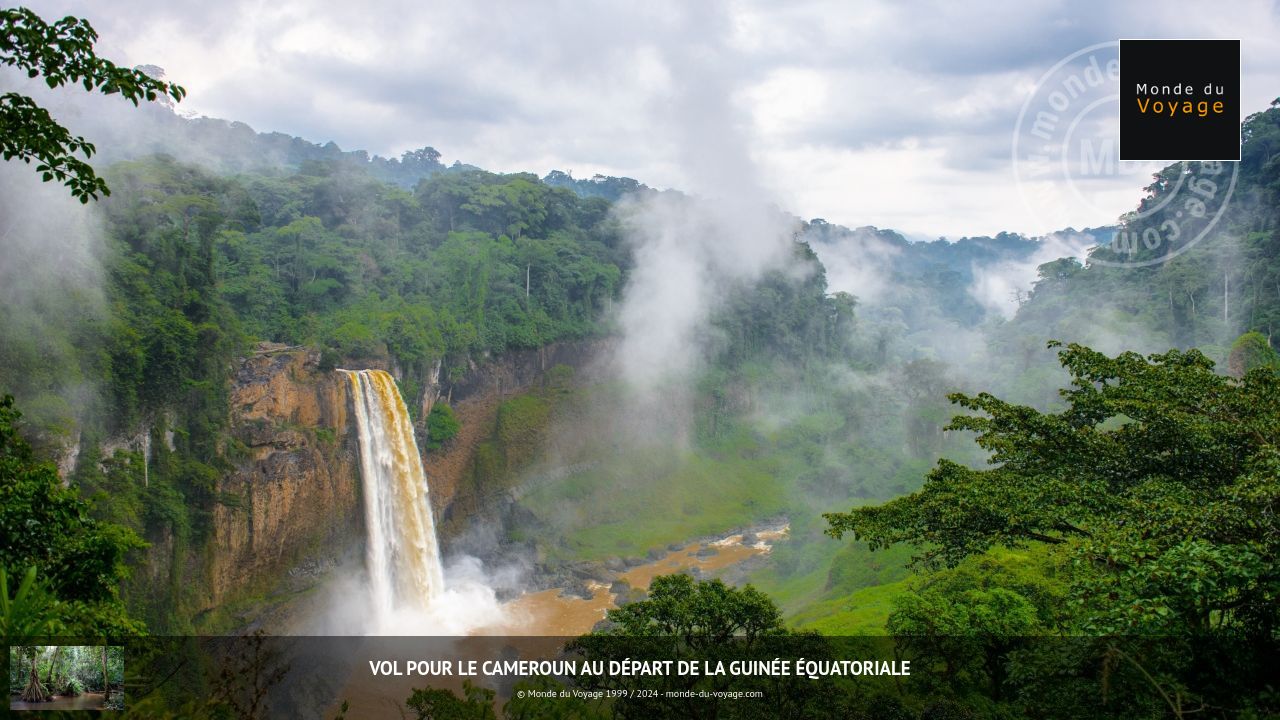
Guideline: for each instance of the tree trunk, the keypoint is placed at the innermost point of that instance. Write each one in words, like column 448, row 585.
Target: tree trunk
column 35, row 692
column 106, row 682
column 53, row 666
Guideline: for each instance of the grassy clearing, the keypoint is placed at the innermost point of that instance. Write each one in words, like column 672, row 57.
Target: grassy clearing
column 821, row 582
column 862, row 613
column 626, row 498
column 637, row 501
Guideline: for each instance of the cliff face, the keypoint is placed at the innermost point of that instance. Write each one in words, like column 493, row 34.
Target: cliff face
column 298, row 490
column 476, row 398
column 293, row 507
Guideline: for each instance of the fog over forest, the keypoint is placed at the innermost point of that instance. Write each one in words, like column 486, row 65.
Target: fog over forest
column 652, row 345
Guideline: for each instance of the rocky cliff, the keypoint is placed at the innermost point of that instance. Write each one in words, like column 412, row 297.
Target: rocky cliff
column 476, row 397
column 292, row 508
column 296, row 506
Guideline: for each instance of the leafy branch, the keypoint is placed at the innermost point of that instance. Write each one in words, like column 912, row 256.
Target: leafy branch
column 62, row 53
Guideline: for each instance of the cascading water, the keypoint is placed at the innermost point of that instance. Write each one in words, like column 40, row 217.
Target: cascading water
column 403, row 557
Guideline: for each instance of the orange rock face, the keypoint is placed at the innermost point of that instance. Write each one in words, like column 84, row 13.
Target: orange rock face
column 296, row 498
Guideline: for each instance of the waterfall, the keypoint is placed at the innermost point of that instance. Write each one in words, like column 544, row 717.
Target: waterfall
column 403, row 558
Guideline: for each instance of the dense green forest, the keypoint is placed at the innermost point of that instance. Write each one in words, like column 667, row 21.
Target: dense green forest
column 67, row 673
column 467, row 264
column 199, row 266
column 1206, row 297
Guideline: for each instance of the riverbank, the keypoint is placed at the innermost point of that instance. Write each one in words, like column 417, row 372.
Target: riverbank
column 576, row 608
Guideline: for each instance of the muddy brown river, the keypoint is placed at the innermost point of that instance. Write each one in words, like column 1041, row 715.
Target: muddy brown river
column 536, row 626
column 83, row 701
column 550, row 613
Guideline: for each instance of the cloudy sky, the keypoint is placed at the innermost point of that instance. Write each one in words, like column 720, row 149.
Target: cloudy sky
column 894, row 114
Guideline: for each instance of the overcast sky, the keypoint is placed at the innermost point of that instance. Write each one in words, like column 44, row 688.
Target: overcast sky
column 899, row 115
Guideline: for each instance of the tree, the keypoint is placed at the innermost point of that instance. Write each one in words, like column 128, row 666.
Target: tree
column 53, row 665
column 61, row 52
column 1155, row 476
column 476, row 703
column 35, row 691
column 1155, row 489
column 924, row 384
column 106, row 679
column 704, row 614
column 46, row 525
column 706, row 622
column 442, row 425
column 961, row 623
column 1251, row 350
column 250, row 667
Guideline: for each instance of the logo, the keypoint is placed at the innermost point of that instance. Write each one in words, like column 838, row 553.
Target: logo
column 1066, row 161
column 1180, row 100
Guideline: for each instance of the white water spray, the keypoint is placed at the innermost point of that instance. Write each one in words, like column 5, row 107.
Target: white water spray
column 403, row 558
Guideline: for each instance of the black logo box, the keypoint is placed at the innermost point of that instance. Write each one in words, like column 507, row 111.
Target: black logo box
column 1157, row 73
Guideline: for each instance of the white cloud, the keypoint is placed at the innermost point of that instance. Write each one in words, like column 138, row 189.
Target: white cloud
column 999, row 285
column 892, row 114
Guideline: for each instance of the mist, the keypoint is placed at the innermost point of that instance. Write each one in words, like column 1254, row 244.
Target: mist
column 1001, row 286
column 51, row 289
column 688, row 250
column 862, row 425
column 861, row 264
column 469, row 604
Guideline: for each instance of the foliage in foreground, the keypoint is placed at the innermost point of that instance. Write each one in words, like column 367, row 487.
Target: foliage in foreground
column 1151, row 499
column 45, row 525
column 61, row 53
